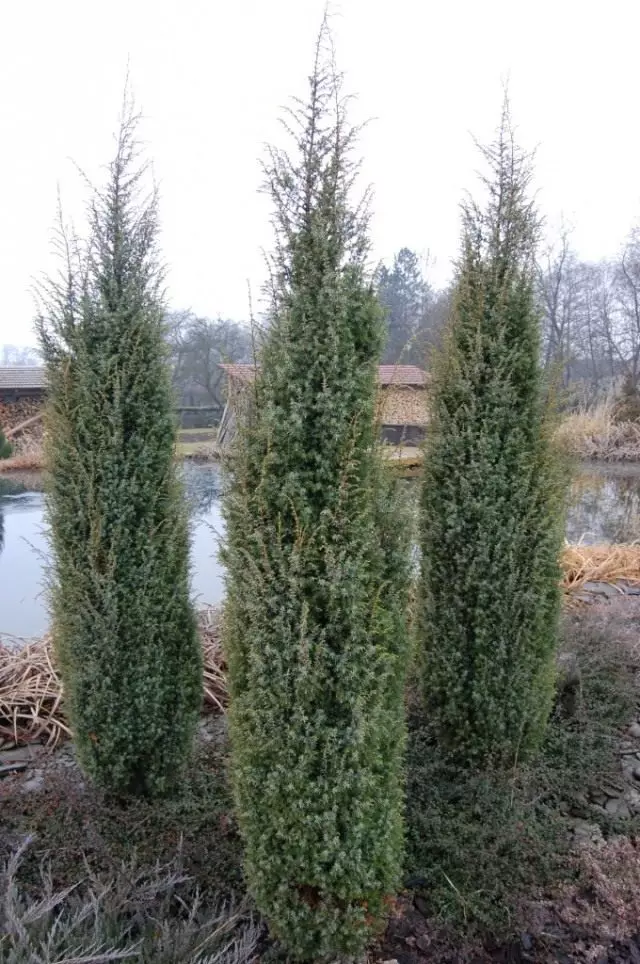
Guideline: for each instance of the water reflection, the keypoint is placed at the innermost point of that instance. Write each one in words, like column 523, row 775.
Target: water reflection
column 23, row 608
column 605, row 508
column 605, row 505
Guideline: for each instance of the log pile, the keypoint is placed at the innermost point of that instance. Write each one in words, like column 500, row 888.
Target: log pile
column 13, row 414
column 403, row 405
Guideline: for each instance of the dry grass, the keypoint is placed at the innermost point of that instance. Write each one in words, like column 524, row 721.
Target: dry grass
column 28, row 462
column 595, row 435
column 605, row 563
column 31, row 699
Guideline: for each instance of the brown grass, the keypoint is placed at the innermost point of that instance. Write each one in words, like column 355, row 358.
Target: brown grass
column 31, row 698
column 595, row 435
column 29, row 462
column 604, row 563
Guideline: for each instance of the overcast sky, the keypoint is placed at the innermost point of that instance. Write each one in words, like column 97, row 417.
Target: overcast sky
column 210, row 77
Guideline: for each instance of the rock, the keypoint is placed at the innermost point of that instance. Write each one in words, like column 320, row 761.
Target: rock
column 629, row 588
column 634, row 730
column 423, row 944
column 586, row 832
column 8, row 768
column 636, row 773
column 612, row 791
column 601, row 589
column 632, row 799
column 618, row 808
column 34, row 783
column 19, row 754
column 527, row 942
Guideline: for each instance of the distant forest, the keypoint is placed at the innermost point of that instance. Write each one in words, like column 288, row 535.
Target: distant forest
column 590, row 313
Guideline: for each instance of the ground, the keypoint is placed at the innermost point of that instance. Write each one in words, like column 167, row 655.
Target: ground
column 541, row 864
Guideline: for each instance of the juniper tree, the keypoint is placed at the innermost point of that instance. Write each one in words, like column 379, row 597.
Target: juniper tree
column 492, row 494
column 123, row 626
column 317, row 567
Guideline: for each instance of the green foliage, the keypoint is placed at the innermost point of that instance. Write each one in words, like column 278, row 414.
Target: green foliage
column 124, row 628
column 480, row 842
column 317, row 569
column 493, row 490
column 5, row 447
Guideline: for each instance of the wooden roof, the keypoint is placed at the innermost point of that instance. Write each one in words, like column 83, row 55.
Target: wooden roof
column 402, row 375
column 26, row 378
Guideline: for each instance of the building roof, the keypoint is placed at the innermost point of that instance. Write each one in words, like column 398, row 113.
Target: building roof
column 403, row 375
column 29, row 378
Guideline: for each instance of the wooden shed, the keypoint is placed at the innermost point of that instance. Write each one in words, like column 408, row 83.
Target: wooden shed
column 403, row 399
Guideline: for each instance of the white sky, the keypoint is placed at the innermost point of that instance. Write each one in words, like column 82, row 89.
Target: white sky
column 210, row 77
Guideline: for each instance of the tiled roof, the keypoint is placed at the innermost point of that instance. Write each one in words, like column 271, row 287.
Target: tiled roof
column 404, row 375
column 25, row 378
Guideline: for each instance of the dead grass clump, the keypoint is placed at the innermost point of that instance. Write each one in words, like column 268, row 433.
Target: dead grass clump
column 595, row 434
column 30, row 693
column 602, row 563
column 31, row 698
column 29, row 462
column 153, row 914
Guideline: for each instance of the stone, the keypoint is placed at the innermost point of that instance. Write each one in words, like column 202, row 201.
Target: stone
column 601, row 589
column 527, row 942
column 636, row 773
column 19, row 754
column 632, row 799
column 7, row 768
column 618, row 808
column 634, row 730
column 628, row 588
column 612, row 791
column 586, row 832
column 34, row 783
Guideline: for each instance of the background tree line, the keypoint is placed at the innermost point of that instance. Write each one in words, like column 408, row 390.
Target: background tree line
column 590, row 320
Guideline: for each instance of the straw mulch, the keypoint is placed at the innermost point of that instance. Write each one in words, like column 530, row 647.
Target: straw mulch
column 31, row 705
column 604, row 563
column 31, row 702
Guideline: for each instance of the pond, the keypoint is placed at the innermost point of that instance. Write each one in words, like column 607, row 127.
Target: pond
column 605, row 508
column 24, row 550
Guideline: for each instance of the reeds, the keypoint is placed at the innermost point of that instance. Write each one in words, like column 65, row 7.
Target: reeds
column 31, row 698
column 594, row 435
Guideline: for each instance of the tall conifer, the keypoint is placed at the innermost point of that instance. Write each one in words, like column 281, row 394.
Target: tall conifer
column 317, row 567
column 123, row 625
column 492, row 494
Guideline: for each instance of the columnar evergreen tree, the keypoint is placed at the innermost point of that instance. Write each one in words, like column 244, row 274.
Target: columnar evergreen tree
column 123, row 625
column 317, row 567
column 492, row 495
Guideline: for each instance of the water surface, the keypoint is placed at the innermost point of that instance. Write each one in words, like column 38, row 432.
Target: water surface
column 605, row 508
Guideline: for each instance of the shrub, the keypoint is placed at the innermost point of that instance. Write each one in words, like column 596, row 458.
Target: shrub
column 123, row 625
column 317, row 569
column 493, row 490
